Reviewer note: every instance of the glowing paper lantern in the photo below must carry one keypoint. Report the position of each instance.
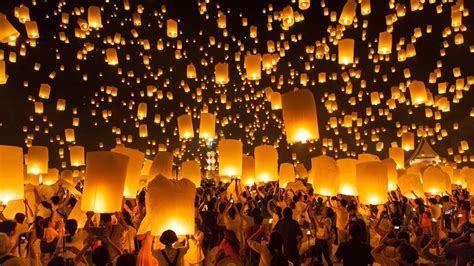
(11, 174)
(142, 111)
(171, 28)
(32, 29)
(435, 181)
(276, 100)
(51, 177)
(207, 127)
(418, 92)
(94, 17)
(104, 182)
(192, 170)
(365, 8)
(266, 163)
(76, 155)
(230, 157)
(287, 174)
(287, 16)
(69, 133)
(347, 176)
(324, 175)
(3, 73)
(304, 4)
(162, 165)
(253, 67)
(185, 126)
(346, 51)
(300, 116)
(409, 183)
(348, 13)
(392, 173)
(172, 205)
(221, 73)
(408, 141)
(248, 170)
(301, 171)
(372, 182)
(134, 169)
(112, 57)
(37, 160)
(385, 43)
(8, 33)
(398, 155)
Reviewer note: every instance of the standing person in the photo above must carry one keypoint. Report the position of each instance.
(170, 256)
(354, 252)
(323, 235)
(195, 254)
(291, 233)
(114, 232)
(342, 219)
(271, 253)
(230, 246)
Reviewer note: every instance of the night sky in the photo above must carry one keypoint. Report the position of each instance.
(168, 74)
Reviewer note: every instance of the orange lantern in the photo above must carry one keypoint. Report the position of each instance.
(300, 116)
(324, 175)
(134, 168)
(266, 163)
(11, 174)
(230, 157)
(372, 182)
(347, 176)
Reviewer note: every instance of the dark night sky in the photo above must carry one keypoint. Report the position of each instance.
(16, 108)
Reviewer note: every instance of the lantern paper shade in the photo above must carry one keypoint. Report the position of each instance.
(76, 155)
(408, 141)
(207, 127)
(418, 92)
(94, 17)
(300, 116)
(348, 13)
(398, 155)
(7, 32)
(435, 181)
(171, 28)
(11, 174)
(287, 174)
(392, 173)
(230, 157)
(134, 169)
(248, 170)
(409, 183)
(276, 101)
(253, 66)
(112, 57)
(266, 163)
(192, 170)
(385, 43)
(372, 182)
(37, 160)
(51, 177)
(324, 175)
(3, 73)
(162, 165)
(185, 126)
(172, 205)
(347, 176)
(32, 29)
(104, 182)
(222, 73)
(346, 51)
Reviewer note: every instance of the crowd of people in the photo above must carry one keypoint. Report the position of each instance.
(247, 225)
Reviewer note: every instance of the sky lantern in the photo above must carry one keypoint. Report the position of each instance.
(348, 13)
(134, 168)
(408, 183)
(276, 100)
(44, 91)
(346, 51)
(192, 171)
(51, 177)
(365, 8)
(287, 174)
(112, 57)
(185, 126)
(104, 182)
(230, 157)
(142, 111)
(3, 73)
(207, 126)
(248, 170)
(418, 92)
(347, 176)
(8, 33)
(11, 174)
(69, 134)
(398, 155)
(253, 66)
(304, 4)
(392, 173)
(37, 160)
(190, 71)
(372, 182)
(375, 98)
(287, 16)
(171, 28)
(143, 131)
(76, 155)
(22, 13)
(32, 29)
(385, 42)
(266, 163)
(221, 20)
(300, 116)
(324, 175)
(94, 17)
(435, 181)
(408, 141)
(171, 205)
(221, 73)
(162, 165)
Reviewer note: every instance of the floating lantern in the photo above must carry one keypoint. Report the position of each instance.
(51, 177)
(192, 170)
(365, 8)
(185, 126)
(347, 176)
(104, 182)
(207, 127)
(409, 183)
(230, 157)
(8, 33)
(435, 181)
(94, 17)
(248, 170)
(348, 13)
(11, 174)
(392, 173)
(287, 174)
(143, 131)
(276, 101)
(418, 92)
(266, 163)
(171, 28)
(3, 73)
(190, 71)
(162, 165)
(304, 4)
(44, 91)
(385, 43)
(372, 182)
(408, 141)
(112, 57)
(69, 133)
(221, 73)
(287, 16)
(37, 160)
(300, 116)
(324, 175)
(171, 206)
(398, 155)
(346, 51)
(76, 155)
(253, 67)
(32, 29)
(134, 169)
(142, 111)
